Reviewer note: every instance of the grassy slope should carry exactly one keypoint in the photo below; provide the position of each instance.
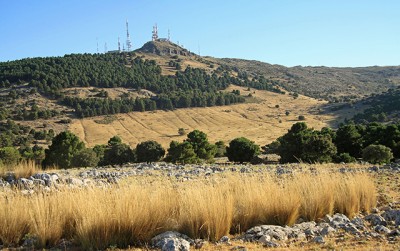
(257, 121)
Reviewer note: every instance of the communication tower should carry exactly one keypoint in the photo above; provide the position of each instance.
(105, 48)
(155, 33)
(128, 38)
(119, 45)
(169, 36)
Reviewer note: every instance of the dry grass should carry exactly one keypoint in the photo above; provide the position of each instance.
(205, 210)
(24, 169)
(134, 212)
(259, 122)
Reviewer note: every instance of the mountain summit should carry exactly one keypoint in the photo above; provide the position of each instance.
(164, 47)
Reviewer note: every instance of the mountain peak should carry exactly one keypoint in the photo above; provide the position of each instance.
(164, 47)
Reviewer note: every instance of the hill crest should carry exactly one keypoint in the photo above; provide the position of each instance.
(163, 47)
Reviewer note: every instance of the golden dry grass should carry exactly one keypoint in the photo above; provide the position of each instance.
(137, 210)
(259, 122)
(24, 169)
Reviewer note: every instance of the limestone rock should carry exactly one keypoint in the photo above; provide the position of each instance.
(318, 239)
(375, 219)
(171, 240)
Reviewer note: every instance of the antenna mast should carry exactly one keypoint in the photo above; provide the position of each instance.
(155, 33)
(97, 41)
(105, 47)
(128, 38)
(169, 36)
(119, 46)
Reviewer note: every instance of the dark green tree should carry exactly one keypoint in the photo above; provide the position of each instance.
(242, 150)
(349, 140)
(181, 153)
(99, 150)
(63, 147)
(291, 145)
(85, 158)
(377, 154)
(118, 154)
(149, 151)
(318, 148)
(201, 146)
(116, 140)
(9, 156)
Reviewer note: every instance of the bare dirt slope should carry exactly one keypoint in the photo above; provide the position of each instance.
(261, 121)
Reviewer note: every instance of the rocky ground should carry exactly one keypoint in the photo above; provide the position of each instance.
(380, 229)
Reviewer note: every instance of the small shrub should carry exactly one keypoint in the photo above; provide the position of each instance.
(221, 149)
(85, 158)
(345, 157)
(181, 131)
(302, 117)
(377, 154)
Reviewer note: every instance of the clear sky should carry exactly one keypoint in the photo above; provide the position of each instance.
(286, 32)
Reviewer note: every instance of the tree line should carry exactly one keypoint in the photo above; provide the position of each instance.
(383, 107)
(18, 142)
(376, 143)
(192, 87)
(95, 106)
(346, 144)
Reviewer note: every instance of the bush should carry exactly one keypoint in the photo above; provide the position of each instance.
(221, 149)
(85, 158)
(116, 140)
(301, 117)
(345, 158)
(149, 151)
(181, 131)
(118, 154)
(242, 150)
(305, 144)
(377, 154)
(9, 155)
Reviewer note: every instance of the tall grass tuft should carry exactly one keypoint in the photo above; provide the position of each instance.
(23, 169)
(133, 212)
(14, 219)
(125, 216)
(317, 193)
(206, 210)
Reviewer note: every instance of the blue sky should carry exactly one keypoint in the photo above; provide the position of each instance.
(286, 32)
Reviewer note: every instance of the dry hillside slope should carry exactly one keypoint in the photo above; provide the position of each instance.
(258, 121)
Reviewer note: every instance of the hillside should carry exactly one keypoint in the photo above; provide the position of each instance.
(329, 83)
(382, 107)
(152, 92)
(260, 121)
(335, 84)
